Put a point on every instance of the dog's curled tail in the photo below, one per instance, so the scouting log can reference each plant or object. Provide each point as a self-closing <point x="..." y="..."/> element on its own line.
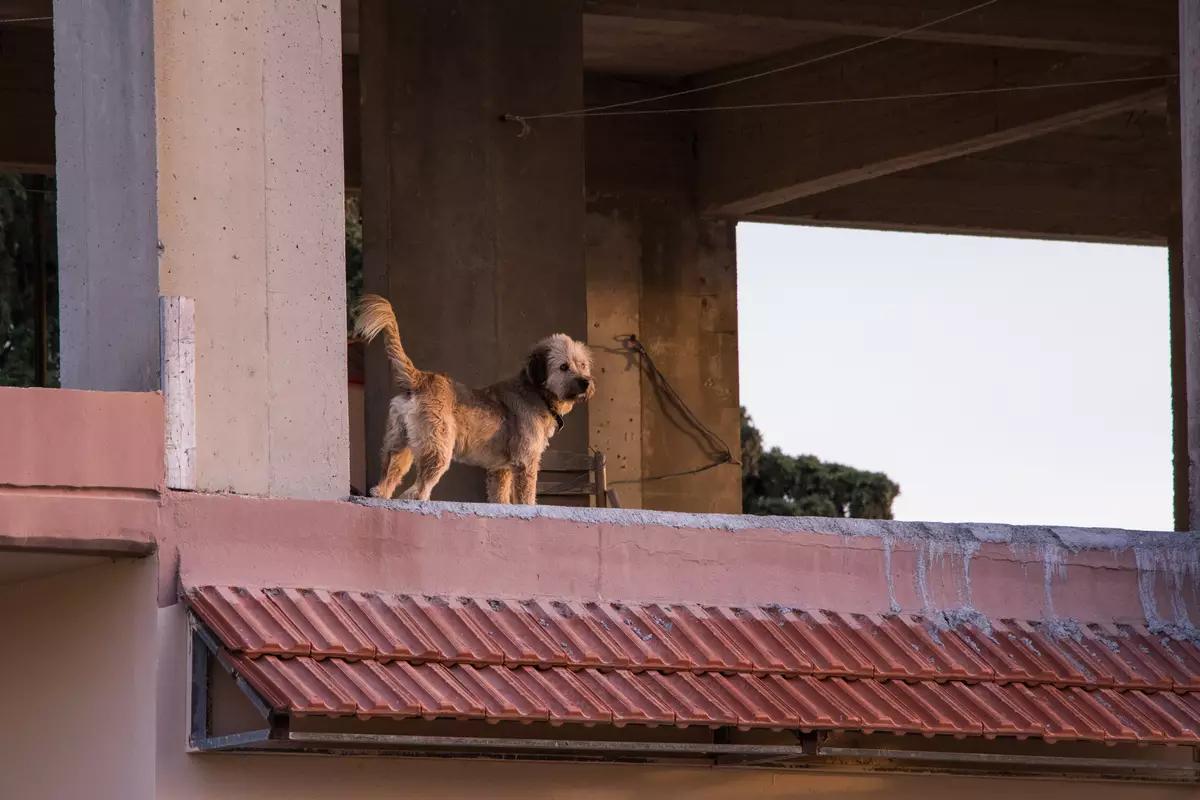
<point x="374" y="315"/>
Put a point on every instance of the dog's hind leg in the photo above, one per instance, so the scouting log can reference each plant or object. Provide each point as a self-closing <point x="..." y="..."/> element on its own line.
<point x="500" y="486"/>
<point x="432" y="464"/>
<point x="398" y="464"/>
<point x="396" y="456"/>
<point x="433" y="450"/>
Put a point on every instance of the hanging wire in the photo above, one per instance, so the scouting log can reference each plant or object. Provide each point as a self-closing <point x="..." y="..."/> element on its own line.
<point x="16" y="20"/>
<point x="659" y="381"/>
<point x="891" y="98"/>
<point x="524" y="118"/>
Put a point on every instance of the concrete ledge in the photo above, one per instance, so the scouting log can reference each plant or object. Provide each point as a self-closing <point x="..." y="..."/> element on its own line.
<point x="59" y="438"/>
<point x="62" y="545"/>
<point x="852" y="566"/>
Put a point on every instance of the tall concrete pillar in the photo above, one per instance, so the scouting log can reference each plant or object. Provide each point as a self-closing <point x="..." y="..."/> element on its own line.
<point x="473" y="232"/>
<point x="658" y="270"/>
<point x="106" y="162"/>
<point x="1185" y="277"/>
<point x="200" y="154"/>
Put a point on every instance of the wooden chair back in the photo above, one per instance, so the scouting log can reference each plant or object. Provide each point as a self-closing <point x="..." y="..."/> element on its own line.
<point x="575" y="475"/>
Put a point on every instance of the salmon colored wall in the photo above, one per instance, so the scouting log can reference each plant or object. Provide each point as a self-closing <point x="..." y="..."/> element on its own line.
<point x="641" y="557"/>
<point x="77" y="665"/>
<point x="94" y="440"/>
<point x="636" y="556"/>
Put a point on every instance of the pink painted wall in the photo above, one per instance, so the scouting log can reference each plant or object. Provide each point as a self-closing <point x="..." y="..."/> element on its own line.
<point x="638" y="557"/>
<point x="77" y="666"/>
<point x="91" y="440"/>
<point x="594" y="554"/>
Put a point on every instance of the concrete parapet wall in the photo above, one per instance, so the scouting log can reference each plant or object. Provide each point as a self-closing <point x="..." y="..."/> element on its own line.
<point x="58" y="438"/>
<point x="853" y="566"/>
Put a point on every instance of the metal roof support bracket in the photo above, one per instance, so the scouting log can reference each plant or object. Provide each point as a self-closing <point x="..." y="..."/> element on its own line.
<point x="204" y="650"/>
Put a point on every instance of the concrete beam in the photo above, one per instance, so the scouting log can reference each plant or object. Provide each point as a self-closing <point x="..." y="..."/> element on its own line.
<point x="1145" y="29"/>
<point x="27" y="92"/>
<point x="754" y="159"/>
<point x="1104" y="182"/>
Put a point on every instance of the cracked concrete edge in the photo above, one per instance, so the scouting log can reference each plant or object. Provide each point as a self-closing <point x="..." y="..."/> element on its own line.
<point x="960" y="535"/>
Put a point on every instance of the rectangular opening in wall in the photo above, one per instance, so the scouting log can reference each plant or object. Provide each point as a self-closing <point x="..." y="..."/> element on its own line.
<point x="983" y="379"/>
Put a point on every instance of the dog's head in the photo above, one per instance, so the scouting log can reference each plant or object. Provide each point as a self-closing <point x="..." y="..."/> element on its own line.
<point x="562" y="367"/>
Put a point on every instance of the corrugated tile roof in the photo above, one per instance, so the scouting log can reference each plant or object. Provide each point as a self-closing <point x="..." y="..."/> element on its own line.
<point x="349" y="653"/>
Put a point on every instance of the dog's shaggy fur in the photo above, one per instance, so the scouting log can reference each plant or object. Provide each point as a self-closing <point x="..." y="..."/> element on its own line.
<point x="503" y="428"/>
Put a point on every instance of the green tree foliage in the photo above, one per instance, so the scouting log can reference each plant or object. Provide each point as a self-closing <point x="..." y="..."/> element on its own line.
<point x="18" y="287"/>
<point x="354" y="257"/>
<point x="774" y="483"/>
<point x="18" y="277"/>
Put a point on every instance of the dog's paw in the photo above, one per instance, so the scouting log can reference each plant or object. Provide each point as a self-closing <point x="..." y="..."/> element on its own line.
<point x="376" y="493"/>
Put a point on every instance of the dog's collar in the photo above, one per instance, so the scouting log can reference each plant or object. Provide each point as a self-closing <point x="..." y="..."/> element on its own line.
<point x="558" y="418"/>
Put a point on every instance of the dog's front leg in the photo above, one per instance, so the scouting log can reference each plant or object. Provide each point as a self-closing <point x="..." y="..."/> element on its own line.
<point x="525" y="484"/>
<point x="500" y="486"/>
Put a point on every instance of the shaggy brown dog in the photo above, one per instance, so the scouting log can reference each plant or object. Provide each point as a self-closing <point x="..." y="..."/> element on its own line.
<point x="503" y="428"/>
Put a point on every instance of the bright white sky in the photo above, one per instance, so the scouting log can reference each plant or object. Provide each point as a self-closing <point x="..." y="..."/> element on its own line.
<point x="995" y="380"/>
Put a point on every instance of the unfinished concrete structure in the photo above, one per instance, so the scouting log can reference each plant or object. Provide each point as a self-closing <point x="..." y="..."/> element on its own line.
<point x="486" y="234"/>
<point x="200" y="153"/>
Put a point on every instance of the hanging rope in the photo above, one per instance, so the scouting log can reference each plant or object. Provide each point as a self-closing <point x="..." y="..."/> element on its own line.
<point x="659" y="381"/>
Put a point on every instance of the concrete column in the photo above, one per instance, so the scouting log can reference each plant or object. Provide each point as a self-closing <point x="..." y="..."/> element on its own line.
<point x="106" y="162"/>
<point x="200" y="154"/>
<point x="1185" y="288"/>
<point x="689" y="325"/>
<point x="1178" y="329"/>
<point x="475" y="234"/>
<point x="658" y="270"/>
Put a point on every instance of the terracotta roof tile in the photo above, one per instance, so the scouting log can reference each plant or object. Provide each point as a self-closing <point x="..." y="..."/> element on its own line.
<point x="323" y="623"/>
<point x="251" y="619"/>
<point x="348" y="653"/>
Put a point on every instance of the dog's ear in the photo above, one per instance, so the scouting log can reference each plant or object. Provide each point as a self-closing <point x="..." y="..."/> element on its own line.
<point x="537" y="370"/>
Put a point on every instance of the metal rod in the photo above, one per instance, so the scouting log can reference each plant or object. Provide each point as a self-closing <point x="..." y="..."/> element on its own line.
<point x="231" y="741"/>
<point x="770" y="756"/>
<point x="198" y="730"/>
<point x="495" y="743"/>
<point x="1004" y="758"/>
<point x="205" y="636"/>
